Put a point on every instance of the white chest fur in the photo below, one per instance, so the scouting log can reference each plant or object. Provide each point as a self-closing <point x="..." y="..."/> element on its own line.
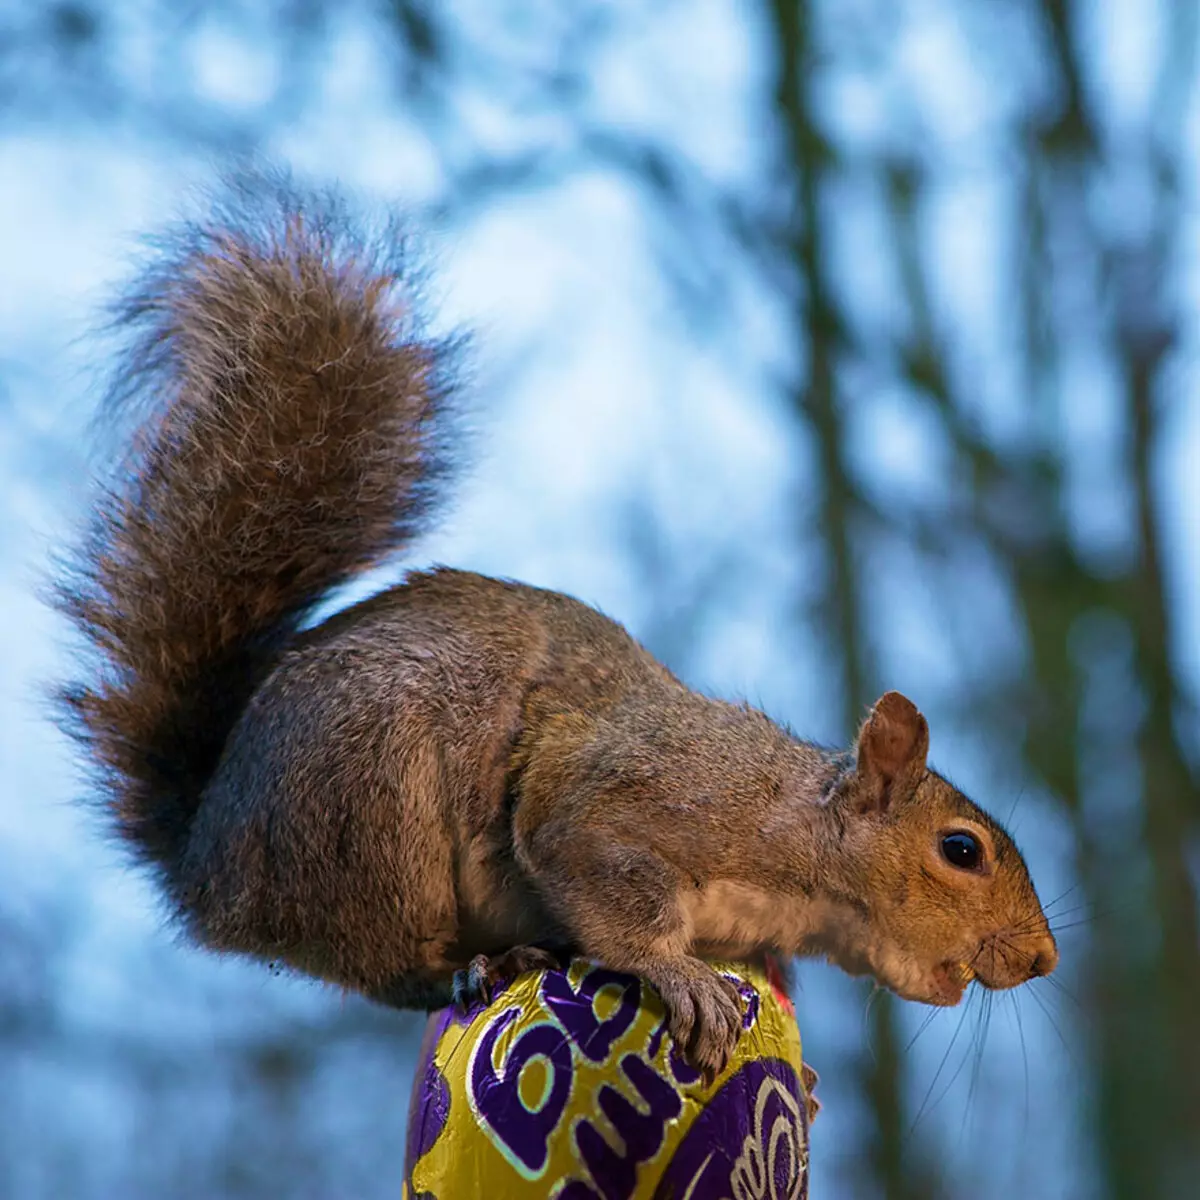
<point x="734" y="919"/>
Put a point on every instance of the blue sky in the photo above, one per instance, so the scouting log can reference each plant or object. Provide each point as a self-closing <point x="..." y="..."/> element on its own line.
<point x="587" y="388"/>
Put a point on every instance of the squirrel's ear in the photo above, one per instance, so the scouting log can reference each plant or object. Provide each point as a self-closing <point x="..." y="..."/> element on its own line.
<point x="892" y="746"/>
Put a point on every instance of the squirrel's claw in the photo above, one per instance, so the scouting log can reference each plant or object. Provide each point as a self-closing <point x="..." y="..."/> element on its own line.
<point x="471" y="986"/>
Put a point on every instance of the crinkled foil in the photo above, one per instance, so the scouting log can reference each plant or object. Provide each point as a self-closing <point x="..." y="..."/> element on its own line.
<point x="567" y="1085"/>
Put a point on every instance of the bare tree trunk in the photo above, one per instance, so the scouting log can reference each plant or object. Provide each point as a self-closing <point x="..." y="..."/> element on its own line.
<point x="805" y="159"/>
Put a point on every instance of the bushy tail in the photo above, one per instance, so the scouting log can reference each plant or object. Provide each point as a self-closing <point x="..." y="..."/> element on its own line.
<point x="289" y="432"/>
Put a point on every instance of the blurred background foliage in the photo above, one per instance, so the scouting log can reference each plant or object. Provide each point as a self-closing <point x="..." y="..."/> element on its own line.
<point x="940" y="256"/>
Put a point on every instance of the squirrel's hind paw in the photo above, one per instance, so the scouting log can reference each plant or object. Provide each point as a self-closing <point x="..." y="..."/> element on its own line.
<point x="476" y="983"/>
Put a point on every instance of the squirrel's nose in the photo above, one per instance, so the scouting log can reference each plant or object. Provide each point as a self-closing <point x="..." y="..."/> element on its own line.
<point x="1045" y="960"/>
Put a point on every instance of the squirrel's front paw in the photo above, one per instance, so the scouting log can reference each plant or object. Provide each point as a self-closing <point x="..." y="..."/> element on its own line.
<point x="704" y="1012"/>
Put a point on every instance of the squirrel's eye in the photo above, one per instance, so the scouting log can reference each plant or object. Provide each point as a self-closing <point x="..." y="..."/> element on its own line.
<point x="962" y="850"/>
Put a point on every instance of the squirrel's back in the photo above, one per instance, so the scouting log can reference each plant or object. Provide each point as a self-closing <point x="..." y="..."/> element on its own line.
<point x="290" y="434"/>
<point x="359" y="824"/>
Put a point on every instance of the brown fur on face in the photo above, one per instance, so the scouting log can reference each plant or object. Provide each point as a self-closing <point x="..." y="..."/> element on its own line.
<point x="933" y="926"/>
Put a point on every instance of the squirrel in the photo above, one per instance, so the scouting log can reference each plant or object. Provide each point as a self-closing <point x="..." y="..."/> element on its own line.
<point x="459" y="776"/>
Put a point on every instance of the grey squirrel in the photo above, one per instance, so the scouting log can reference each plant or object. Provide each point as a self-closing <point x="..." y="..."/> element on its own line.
<point x="460" y="773"/>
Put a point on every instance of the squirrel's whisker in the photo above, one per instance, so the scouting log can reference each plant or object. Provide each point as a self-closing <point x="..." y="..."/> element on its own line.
<point x="1013" y="807"/>
<point x="979" y="1043"/>
<point x="1032" y="992"/>
<point x="1016" y="1009"/>
<point x="1060" y="897"/>
<point x="926" y="1021"/>
<point x="938" y="1074"/>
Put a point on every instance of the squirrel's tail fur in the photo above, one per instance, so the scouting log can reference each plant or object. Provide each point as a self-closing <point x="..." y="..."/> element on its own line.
<point x="289" y="434"/>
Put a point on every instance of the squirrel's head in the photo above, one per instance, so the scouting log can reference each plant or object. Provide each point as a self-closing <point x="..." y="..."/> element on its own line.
<point x="948" y="896"/>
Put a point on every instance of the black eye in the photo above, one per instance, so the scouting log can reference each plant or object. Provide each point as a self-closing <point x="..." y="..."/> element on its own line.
<point x="962" y="850"/>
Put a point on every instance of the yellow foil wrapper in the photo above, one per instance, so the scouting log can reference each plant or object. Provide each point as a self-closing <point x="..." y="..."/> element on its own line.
<point x="568" y="1085"/>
